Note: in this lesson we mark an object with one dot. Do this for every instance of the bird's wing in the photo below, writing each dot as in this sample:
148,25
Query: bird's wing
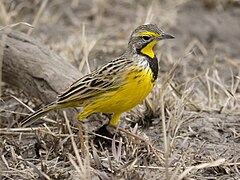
106,78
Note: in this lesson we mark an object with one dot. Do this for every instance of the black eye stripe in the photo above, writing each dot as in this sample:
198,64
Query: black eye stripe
146,37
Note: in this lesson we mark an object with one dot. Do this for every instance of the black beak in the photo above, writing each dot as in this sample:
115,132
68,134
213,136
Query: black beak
165,36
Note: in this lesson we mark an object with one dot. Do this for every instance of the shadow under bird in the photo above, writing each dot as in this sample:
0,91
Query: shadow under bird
117,86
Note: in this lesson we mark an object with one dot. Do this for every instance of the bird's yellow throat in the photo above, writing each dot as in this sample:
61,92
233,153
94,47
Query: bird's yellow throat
148,49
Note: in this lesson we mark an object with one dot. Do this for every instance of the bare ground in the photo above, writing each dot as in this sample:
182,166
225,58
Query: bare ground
192,134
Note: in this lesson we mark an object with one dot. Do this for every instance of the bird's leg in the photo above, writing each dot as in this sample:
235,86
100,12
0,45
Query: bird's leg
80,131
115,119
81,116
114,123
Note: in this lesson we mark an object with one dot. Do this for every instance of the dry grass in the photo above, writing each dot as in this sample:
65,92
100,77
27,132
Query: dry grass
189,124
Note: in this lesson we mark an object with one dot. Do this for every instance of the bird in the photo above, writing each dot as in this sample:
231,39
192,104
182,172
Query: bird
117,86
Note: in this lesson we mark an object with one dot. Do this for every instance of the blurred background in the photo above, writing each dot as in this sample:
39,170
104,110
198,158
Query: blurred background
96,31
205,29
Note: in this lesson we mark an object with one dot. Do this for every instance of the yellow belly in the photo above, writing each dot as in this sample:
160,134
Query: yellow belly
138,86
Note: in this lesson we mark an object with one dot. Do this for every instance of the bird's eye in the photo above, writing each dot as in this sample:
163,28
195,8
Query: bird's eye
146,37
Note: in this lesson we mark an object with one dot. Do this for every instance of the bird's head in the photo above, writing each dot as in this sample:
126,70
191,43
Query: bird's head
145,37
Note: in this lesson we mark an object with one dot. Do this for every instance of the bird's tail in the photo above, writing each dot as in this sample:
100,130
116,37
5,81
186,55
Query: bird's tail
39,113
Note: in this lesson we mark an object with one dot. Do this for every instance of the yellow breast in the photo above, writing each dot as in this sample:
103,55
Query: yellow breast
138,84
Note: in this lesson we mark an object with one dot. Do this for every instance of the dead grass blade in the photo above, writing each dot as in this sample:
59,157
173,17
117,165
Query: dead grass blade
163,89
83,165
3,13
22,103
71,159
73,142
86,50
96,157
2,47
37,17
17,24
117,151
150,15
201,166
165,139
